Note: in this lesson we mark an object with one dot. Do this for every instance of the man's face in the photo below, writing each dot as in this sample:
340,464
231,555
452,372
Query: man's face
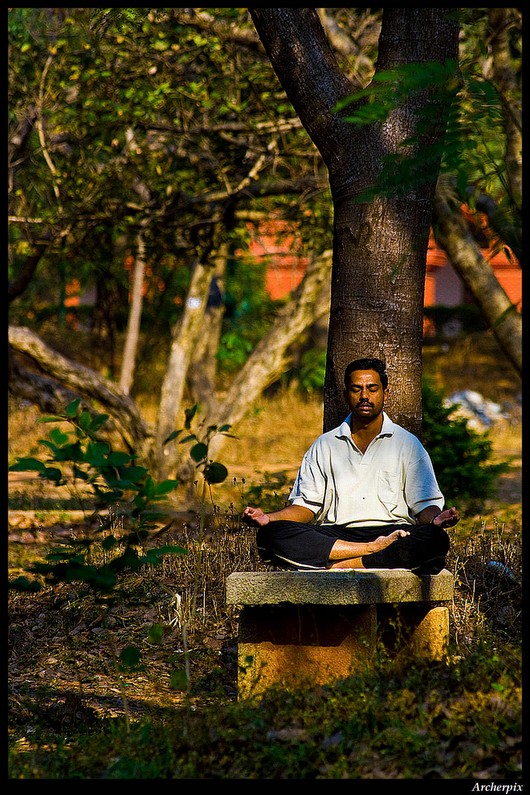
365,395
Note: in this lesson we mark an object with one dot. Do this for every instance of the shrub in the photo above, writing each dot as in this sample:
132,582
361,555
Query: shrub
123,503
460,455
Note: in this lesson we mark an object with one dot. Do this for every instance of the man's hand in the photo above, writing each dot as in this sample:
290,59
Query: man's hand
255,516
382,542
447,518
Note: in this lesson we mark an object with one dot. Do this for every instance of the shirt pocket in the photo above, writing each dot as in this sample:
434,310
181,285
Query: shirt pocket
388,489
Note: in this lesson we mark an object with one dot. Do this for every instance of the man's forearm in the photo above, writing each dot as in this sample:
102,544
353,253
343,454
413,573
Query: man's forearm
432,515
427,515
292,513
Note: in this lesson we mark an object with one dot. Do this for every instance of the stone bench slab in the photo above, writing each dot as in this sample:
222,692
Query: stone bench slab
337,587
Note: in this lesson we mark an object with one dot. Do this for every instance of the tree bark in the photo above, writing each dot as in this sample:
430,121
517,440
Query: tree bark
380,246
184,337
203,366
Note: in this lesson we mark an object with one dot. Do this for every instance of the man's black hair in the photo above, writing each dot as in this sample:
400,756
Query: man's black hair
367,364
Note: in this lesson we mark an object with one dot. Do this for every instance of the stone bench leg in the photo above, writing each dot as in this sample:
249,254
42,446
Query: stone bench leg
293,645
414,631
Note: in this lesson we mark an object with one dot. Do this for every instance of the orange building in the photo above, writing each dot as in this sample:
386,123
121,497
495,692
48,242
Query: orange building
276,241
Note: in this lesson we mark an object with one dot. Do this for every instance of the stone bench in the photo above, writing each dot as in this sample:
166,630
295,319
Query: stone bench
313,627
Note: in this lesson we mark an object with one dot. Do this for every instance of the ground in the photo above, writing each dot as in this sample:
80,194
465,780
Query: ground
64,661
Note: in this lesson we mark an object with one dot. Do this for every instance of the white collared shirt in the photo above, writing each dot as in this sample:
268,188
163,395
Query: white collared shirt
391,482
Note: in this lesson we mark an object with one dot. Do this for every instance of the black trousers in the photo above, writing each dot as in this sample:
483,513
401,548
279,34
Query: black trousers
295,545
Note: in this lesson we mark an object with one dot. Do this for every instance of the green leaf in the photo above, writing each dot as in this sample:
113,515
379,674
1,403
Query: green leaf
172,436
130,656
71,409
98,421
166,486
118,459
190,413
79,473
96,454
27,465
199,451
59,437
156,633
215,472
190,438
109,542
129,560
84,421
148,489
52,473
134,473
24,584
153,556
178,680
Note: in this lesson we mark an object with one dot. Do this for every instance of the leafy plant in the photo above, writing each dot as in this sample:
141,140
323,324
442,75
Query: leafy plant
460,455
123,496
310,372
212,471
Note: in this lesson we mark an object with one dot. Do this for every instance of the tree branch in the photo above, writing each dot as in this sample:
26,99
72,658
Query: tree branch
83,381
453,235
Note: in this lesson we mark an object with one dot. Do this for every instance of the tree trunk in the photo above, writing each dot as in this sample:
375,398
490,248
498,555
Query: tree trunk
202,369
452,233
135,316
184,338
379,247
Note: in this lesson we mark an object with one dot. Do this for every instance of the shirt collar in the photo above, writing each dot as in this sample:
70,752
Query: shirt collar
387,429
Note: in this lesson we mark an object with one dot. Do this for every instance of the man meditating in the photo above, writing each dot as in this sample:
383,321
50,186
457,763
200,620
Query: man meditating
365,496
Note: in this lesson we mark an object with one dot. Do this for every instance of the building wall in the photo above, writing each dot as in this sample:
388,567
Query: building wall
443,285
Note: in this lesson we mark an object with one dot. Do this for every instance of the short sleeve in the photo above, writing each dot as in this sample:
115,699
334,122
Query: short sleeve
310,486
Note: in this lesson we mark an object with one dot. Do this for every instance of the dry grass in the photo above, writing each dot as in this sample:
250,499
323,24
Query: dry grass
273,437
473,362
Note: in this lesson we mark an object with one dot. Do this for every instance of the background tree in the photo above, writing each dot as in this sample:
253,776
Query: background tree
187,212
170,124
490,175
